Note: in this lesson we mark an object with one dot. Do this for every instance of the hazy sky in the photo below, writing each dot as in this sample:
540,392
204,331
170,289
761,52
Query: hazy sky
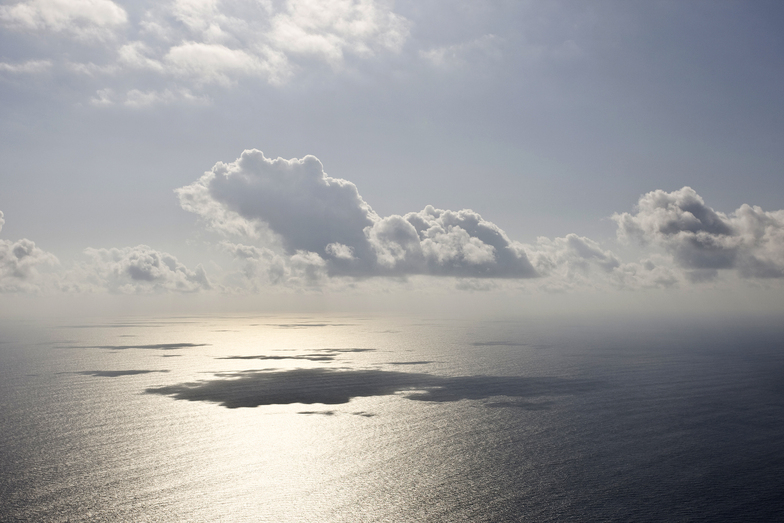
491,152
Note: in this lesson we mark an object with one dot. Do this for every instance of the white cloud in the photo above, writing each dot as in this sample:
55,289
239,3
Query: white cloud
462,243
330,28
139,269
212,63
571,256
136,55
84,19
704,241
28,67
261,267
295,199
103,97
139,99
480,49
654,272
312,214
20,262
192,45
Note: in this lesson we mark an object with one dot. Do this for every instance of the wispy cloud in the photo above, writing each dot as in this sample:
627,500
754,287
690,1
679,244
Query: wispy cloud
28,67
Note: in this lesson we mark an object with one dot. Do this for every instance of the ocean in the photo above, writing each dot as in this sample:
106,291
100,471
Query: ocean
328,418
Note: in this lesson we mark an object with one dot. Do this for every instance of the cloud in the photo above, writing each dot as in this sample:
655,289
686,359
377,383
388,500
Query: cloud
651,273
571,256
20,263
28,67
83,19
139,269
321,223
458,55
195,45
329,29
137,99
212,63
703,241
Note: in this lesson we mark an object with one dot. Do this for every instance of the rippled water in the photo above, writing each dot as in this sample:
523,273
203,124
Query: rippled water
367,419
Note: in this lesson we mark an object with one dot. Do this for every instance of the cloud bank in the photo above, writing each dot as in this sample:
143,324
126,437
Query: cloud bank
26,268
288,223
308,226
311,215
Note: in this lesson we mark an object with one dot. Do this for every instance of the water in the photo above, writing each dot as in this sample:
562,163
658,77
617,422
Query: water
377,419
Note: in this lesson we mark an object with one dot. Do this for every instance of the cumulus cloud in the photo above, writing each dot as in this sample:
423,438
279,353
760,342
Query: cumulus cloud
261,267
572,254
312,216
650,273
704,241
20,265
20,262
84,19
140,269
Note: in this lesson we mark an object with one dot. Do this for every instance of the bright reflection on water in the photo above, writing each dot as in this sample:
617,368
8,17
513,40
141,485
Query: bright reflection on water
358,419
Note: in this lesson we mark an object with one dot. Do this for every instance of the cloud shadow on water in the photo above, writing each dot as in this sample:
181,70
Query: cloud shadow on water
330,355
307,357
116,373
154,346
332,387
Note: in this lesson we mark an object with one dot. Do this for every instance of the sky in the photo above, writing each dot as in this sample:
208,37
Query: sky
409,155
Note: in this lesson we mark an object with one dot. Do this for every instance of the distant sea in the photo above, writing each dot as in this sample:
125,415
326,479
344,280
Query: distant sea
343,418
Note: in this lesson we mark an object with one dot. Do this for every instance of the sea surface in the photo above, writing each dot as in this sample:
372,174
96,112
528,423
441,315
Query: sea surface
364,419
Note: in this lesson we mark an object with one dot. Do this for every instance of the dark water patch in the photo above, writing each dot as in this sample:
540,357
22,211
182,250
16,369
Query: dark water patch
332,387
346,350
171,355
319,412
524,405
154,346
498,344
306,325
364,414
115,373
307,357
125,325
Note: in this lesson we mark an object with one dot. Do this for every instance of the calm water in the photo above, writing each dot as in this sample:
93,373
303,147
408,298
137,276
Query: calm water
365,419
